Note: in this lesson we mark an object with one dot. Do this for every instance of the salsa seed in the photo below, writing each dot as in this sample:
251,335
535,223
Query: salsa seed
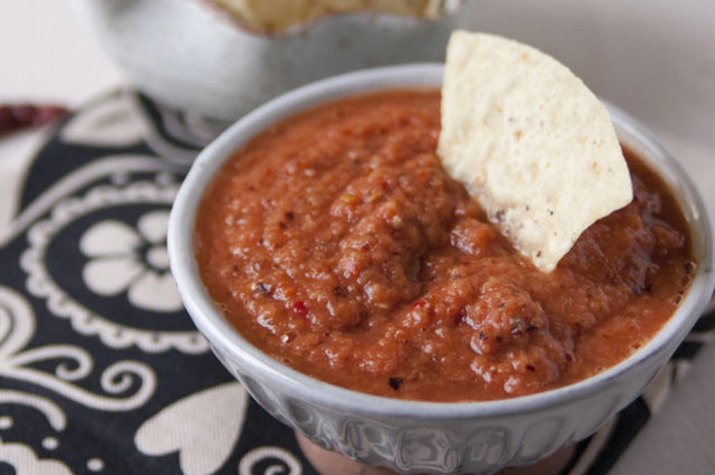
348,198
531,367
262,287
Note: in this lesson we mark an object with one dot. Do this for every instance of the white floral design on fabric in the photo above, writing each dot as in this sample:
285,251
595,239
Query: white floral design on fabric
202,427
22,459
136,261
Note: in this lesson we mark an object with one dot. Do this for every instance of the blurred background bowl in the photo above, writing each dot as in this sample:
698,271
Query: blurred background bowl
188,55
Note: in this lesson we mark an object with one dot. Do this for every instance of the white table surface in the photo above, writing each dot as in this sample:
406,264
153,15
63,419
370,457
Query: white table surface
653,58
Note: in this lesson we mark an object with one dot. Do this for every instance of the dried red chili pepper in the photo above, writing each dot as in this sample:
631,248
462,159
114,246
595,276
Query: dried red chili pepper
19,116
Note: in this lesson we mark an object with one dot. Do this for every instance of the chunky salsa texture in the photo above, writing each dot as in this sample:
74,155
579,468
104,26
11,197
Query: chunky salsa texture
336,242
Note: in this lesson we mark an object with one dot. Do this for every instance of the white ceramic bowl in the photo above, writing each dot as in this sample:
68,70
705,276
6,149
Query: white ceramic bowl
424,437
182,53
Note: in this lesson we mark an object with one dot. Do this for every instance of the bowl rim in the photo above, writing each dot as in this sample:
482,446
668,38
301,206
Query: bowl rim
277,375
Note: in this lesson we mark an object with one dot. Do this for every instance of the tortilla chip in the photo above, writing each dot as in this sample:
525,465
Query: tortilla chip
280,15
531,144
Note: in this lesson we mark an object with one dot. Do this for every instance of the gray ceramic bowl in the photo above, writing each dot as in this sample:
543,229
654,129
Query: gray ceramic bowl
185,55
423,437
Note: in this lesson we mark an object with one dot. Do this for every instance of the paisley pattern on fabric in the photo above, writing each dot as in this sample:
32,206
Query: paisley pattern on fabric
101,369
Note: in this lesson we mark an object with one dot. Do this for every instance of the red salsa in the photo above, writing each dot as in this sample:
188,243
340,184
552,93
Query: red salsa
336,242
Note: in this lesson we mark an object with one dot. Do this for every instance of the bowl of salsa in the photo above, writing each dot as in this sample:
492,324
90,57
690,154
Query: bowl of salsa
363,298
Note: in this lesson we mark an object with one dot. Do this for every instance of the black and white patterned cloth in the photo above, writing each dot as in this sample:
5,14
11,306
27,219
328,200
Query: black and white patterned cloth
101,370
